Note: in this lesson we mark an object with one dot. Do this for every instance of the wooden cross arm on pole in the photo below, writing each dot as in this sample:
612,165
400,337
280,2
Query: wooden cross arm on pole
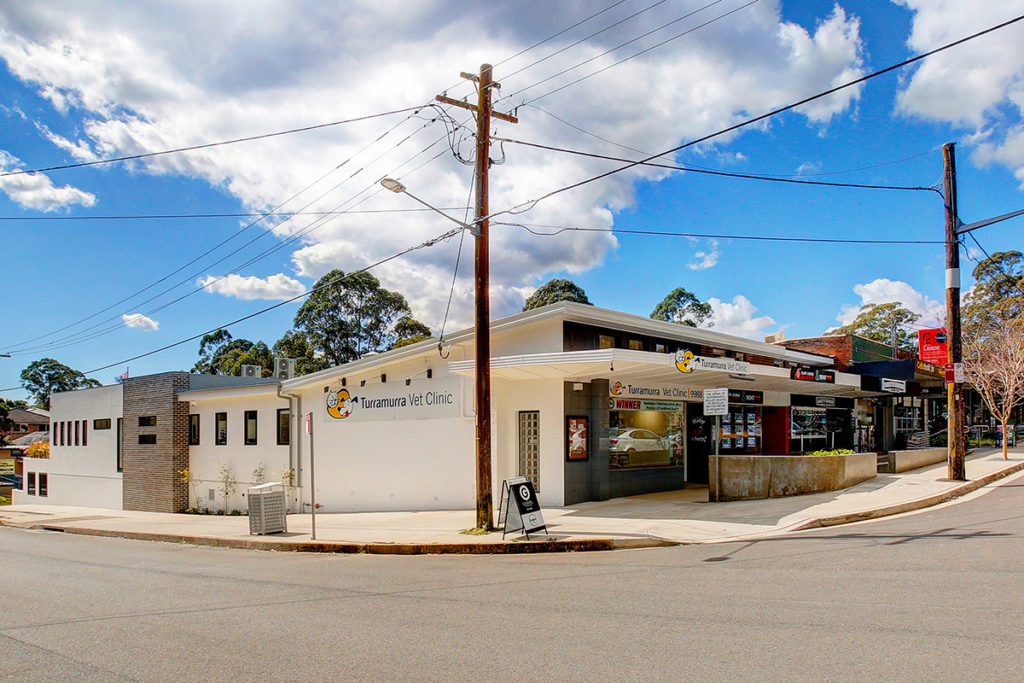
472,107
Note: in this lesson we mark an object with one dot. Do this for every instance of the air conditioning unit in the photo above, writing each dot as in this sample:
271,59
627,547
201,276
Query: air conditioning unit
775,338
251,371
284,368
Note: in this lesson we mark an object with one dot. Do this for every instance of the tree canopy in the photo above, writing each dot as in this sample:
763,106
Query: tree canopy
994,363
875,321
348,316
221,354
554,291
998,292
46,376
681,306
295,344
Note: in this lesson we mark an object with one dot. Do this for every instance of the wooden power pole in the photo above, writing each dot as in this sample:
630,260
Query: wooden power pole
482,109
954,389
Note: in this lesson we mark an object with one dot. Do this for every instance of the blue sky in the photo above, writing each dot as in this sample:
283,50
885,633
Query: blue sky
80,81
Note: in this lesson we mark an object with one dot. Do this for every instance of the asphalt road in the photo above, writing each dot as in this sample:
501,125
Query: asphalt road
930,596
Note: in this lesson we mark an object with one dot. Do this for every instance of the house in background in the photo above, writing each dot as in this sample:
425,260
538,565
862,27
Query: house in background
27,421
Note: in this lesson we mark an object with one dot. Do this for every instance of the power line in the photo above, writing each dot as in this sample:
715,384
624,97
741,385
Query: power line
253,214
665,233
70,341
761,117
549,38
223,242
212,144
118,323
645,51
429,243
767,175
581,40
747,176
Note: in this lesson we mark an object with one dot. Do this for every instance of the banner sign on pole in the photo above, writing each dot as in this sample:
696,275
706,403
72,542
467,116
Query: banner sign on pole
931,346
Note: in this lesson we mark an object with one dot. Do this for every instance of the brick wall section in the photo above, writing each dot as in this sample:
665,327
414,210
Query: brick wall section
151,471
840,346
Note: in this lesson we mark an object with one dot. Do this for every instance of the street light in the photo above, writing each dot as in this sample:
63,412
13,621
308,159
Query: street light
398,188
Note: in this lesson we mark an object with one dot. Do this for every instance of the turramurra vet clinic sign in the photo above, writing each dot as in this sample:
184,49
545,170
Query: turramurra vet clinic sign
377,402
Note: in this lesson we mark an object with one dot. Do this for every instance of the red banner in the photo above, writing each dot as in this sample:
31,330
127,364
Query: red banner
931,346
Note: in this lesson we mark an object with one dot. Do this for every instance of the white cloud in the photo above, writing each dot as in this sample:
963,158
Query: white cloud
37,191
884,291
247,288
738,318
151,77
975,85
79,150
140,321
708,259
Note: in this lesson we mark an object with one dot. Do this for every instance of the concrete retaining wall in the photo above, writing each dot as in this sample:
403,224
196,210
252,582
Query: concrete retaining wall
748,477
911,460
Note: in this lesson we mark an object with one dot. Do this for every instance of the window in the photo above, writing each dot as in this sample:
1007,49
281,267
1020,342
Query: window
221,432
193,430
30,484
529,446
284,427
147,420
605,341
76,432
85,432
250,428
636,345
43,476
102,423
120,463
60,441
147,438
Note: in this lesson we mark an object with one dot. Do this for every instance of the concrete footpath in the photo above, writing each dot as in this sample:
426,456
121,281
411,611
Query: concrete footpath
658,519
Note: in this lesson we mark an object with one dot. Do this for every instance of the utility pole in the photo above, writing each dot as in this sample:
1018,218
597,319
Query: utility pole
482,109
954,389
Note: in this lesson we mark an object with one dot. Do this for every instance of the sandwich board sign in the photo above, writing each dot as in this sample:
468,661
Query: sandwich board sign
519,509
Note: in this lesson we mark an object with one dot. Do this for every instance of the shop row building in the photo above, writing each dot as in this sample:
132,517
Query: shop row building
587,403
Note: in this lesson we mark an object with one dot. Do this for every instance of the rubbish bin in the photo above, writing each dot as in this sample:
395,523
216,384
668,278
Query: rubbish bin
267,509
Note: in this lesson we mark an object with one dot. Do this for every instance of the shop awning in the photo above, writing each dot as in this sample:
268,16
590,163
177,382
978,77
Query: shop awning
645,366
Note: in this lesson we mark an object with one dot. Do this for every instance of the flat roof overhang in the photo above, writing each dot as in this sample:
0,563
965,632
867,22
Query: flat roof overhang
645,366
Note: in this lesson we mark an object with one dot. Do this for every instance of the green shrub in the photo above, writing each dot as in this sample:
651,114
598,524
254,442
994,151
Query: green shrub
838,451
4,500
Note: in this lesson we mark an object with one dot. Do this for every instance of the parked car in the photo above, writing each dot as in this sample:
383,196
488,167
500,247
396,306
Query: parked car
637,447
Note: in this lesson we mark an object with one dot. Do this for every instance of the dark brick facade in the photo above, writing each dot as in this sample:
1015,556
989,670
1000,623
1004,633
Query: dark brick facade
152,479
840,346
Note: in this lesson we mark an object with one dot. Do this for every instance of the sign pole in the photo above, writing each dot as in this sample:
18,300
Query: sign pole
312,477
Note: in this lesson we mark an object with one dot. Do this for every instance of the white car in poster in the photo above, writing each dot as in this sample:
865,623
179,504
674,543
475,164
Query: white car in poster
636,447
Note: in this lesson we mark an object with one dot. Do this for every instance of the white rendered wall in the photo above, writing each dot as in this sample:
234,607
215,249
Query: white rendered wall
80,475
370,464
543,336
509,397
207,459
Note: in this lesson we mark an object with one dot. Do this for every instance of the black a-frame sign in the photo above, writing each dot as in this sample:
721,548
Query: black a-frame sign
519,509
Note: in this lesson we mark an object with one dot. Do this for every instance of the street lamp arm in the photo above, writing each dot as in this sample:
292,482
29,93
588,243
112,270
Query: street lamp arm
398,188
964,228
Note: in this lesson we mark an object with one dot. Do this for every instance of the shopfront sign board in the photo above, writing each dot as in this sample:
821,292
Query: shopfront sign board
379,402
521,508
825,401
716,401
670,392
804,375
894,386
686,362
646,404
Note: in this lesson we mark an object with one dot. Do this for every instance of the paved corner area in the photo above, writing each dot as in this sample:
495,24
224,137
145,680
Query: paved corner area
640,521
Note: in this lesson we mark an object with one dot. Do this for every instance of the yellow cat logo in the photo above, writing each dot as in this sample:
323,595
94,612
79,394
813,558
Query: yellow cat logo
684,360
336,404
617,389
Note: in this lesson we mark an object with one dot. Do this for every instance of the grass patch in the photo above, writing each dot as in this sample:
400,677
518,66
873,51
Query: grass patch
4,500
476,531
